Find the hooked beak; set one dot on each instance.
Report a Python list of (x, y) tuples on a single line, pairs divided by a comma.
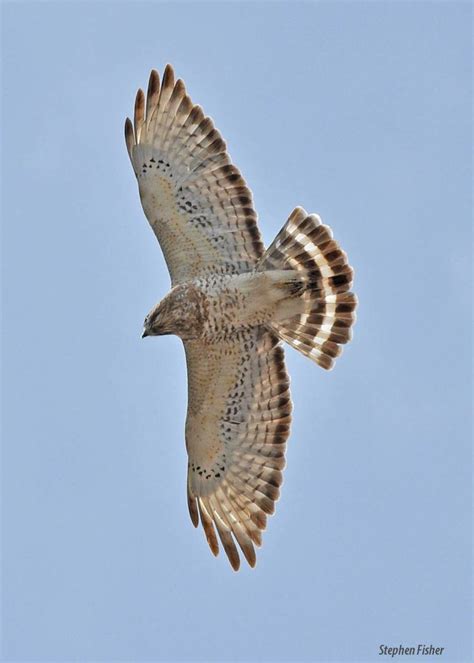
[(145, 333)]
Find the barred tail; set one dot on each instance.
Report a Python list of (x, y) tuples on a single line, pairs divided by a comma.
[(305, 246)]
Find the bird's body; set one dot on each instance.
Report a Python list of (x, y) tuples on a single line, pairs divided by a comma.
[(231, 303), (217, 307)]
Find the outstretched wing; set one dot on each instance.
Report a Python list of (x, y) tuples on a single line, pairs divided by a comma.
[(195, 199), (238, 421)]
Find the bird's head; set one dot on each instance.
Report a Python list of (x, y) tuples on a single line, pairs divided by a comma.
[(157, 323), (178, 313)]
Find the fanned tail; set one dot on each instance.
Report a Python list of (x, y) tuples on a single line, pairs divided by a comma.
[(324, 277)]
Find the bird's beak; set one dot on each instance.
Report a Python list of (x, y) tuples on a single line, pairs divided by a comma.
[(145, 333)]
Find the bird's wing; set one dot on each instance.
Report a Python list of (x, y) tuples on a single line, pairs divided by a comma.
[(195, 199), (239, 413)]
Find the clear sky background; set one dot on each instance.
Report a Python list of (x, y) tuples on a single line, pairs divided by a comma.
[(357, 111)]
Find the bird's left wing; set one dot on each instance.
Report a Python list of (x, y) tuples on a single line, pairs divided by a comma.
[(238, 420), (194, 197)]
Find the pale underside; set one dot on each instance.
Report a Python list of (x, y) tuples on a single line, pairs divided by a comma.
[(239, 406)]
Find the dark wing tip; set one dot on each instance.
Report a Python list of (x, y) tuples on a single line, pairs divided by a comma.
[(209, 530), (153, 93), (168, 77), (129, 136), (249, 554), (154, 82), (139, 100), (139, 114), (252, 561), (196, 115), (230, 549), (179, 88), (193, 510)]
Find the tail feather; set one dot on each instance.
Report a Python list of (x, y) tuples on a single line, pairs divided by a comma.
[(306, 246)]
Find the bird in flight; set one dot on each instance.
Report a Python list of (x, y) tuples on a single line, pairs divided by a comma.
[(232, 303)]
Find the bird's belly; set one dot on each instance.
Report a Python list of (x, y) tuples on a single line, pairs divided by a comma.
[(234, 303)]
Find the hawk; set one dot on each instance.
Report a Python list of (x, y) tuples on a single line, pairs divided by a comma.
[(232, 303)]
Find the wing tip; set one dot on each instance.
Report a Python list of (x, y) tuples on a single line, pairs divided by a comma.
[(153, 82), (193, 510), (139, 113), (249, 554), (179, 88), (208, 527), (168, 77), (129, 136), (153, 92), (235, 565)]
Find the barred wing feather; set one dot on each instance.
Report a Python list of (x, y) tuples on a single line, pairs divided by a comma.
[(195, 199), (238, 421)]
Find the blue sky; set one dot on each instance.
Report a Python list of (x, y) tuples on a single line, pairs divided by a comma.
[(357, 111)]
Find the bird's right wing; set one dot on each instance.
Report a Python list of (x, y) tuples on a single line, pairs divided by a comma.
[(238, 421), (194, 197)]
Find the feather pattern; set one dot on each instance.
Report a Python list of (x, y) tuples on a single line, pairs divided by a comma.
[(237, 442), (195, 199), (307, 247)]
